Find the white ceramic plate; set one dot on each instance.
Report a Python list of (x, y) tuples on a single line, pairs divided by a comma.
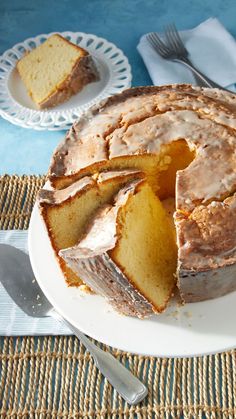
[(193, 329), (17, 107)]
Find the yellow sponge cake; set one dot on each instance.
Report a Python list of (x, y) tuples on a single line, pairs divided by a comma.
[(66, 212), (56, 70), (129, 253)]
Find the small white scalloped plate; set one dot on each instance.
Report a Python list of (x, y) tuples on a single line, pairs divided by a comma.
[(17, 107), (189, 330)]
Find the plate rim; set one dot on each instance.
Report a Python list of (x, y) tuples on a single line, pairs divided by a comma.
[(121, 346), (75, 111)]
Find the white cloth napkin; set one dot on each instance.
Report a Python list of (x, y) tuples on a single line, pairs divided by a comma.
[(13, 321), (212, 50)]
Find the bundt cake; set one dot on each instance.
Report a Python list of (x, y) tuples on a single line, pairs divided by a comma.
[(55, 70), (183, 139), (129, 252)]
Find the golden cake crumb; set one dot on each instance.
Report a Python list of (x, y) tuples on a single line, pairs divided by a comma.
[(55, 70)]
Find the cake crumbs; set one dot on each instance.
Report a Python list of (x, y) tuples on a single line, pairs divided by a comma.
[(174, 314), (107, 311), (38, 297), (187, 314), (84, 288)]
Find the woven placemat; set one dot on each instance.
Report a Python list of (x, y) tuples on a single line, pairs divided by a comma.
[(45, 377)]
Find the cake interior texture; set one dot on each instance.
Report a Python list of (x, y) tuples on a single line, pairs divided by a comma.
[(146, 250), (177, 156), (45, 68), (67, 220), (160, 169), (128, 253)]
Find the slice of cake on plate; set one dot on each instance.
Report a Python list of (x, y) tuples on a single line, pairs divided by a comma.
[(56, 70)]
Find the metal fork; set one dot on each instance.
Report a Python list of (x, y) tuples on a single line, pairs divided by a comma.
[(173, 49)]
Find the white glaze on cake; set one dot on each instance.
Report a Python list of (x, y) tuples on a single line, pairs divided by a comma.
[(87, 142), (142, 121), (58, 196), (207, 250)]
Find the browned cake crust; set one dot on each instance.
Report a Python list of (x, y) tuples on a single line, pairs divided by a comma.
[(83, 73)]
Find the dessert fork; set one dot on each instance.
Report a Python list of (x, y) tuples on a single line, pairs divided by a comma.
[(16, 276), (174, 49)]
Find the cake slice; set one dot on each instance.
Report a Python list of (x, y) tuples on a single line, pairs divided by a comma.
[(56, 70), (129, 253), (66, 211)]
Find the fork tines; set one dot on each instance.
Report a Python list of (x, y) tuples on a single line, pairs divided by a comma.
[(157, 43), (174, 40)]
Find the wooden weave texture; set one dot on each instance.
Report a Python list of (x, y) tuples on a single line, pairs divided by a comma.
[(46, 377)]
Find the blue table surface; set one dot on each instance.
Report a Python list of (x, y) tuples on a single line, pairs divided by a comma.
[(25, 151)]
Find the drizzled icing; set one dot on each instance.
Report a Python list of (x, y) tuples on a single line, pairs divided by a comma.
[(207, 238), (58, 196), (143, 121)]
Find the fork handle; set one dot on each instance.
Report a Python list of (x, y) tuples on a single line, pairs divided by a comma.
[(205, 80)]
